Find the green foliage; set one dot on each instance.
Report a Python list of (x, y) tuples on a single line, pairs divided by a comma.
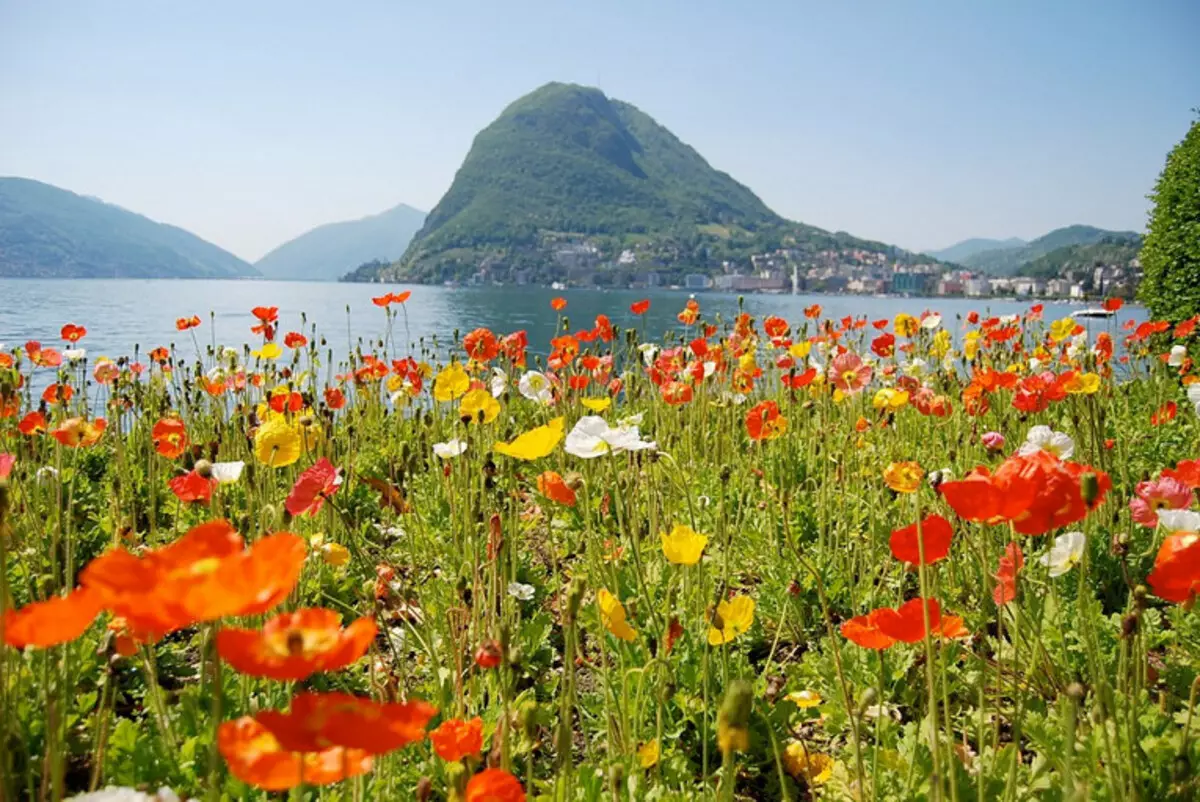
[(328, 251), (1060, 261), (52, 233), (1171, 255), (1006, 261)]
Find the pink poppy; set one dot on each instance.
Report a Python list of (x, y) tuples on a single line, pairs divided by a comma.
[(1161, 493), (315, 485), (849, 373), (6, 465)]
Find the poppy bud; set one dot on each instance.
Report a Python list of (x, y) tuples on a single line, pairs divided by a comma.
[(203, 468), (488, 654), (733, 722), (1089, 488), (1139, 597)]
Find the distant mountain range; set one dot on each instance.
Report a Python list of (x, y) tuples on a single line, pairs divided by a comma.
[(1011, 256), (327, 252), (52, 233), (566, 176)]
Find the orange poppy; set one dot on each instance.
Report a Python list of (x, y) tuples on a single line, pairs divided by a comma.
[(60, 619), (455, 739), (481, 345), (318, 720), (640, 307), (335, 398), (1164, 414), (797, 381), (294, 339), (72, 333), (907, 622), (256, 757), (294, 646), (77, 432), (160, 355), (1006, 576), (400, 297), (936, 535), (205, 575), (1186, 473), (185, 323), (1176, 573), (812, 312), (382, 300), (551, 485), (864, 631), (192, 487), (267, 314), (31, 424), (558, 304), (676, 393), (488, 655), (776, 327), (495, 785), (690, 313), (1113, 304), (764, 422), (170, 437)]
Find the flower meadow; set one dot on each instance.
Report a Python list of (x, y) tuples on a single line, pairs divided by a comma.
[(909, 558)]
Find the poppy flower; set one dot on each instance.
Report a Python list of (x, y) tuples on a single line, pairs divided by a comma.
[(907, 622), (1066, 552), (903, 477), (1165, 492), (800, 380), (455, 739), (170, 437), (864, 631), (764, 422), (884, 345), (640, 307), (79, 432), (318, 720), (267, 314), (277, 443), (335, 398), (1186, 473), (935, 535), (1113, 304), (551, 485), (72, 333), (1164, 414), (1006, 575), (7, 461), (32, 424), (683, 545), (294, 339), (481, 345), (451, 383), (676, 393), (256, 757), (612, 616), (185, 323), (205, 575), (1176, 573), (558, 304), (494, 785), (59, 619), (313, 487), (294, 646), (382, 300), (812, 312), (479, 406), (488, 655), (400, 297), (192, 487), (849, 373), (732, 617)]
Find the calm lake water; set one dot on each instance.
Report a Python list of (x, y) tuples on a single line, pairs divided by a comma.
[(120, 314)]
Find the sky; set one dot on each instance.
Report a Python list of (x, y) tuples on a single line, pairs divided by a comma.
[(919, 123)]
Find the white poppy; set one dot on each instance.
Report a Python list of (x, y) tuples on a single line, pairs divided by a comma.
[(536, 387), (1065, 553), (45, 473), (931, 322), (520, 591), (1043, 438), (1035, 365), (115, 794), (1177, 521), (592, 437), (1177, 355), (1193, 396), (499, 382), (709, 369), (74, 354), (728, 397), (449, 449), (649, 351), (227, 472), (916, 367)]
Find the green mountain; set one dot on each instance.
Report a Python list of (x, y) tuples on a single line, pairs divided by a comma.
[(1007, 261), (1081, 259), (969, 247), (53, 233), (567, 179), (329, 251)]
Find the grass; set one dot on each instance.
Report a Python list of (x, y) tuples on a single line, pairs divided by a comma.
[(654, 606)]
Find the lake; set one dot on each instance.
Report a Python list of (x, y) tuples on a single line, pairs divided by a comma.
[(120, 314)]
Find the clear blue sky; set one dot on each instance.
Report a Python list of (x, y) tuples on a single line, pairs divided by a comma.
[(919, 123)]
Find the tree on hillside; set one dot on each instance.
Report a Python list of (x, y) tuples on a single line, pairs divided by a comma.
[(1171, 254)]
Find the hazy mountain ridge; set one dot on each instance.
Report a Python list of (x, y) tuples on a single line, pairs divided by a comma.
[(50, 232), (969, 247), (327, 252), (1007, 261)]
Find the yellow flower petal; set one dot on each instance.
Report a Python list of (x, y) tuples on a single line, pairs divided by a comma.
[(597, 404), (683, 545), (735, 617), (648, 753), (451, 383), (612, 615), (535, 443)]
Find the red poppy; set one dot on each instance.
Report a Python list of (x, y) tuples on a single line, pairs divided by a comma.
[(640, 307), (58, 393), (59, 619), (294, 339), (294, 646), (936, 535), (72, 333), (1164, 414), (283, 401), (775, 327), (185, 323), (604, 328), (205, 575), (255, 756), (551, 485), (192, 487), (318, 720), (676, 393), (1113, 304), (513, 347), (764, 421), (267, 314), (495, 785), (32, 424), (884, 345), (401, 297), (382, 300), (1186, 327), (335, 398), (455, 739), (488, 654), (812, 312), (43, 357), (558, 304), (1176, 573), (313, 487), (481, 345), (1006, 575), (1187, 473), (907, 622), (972, 317), (864, 631), (160, 355), (170, 437), (798, 380)]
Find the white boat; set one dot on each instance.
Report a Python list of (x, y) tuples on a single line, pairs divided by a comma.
[(1094, 311)]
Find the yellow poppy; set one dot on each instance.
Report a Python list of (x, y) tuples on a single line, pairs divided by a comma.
[(478, 405), (1083, 384), (597, 404), (906, 325), (903, 477), (941, 344), (277, 443), (804, 698), (889, 398), (683, 545), (535, 443), (648, 753), (268, 351), (812, 767), (800, 350), (612, 615), (971, 344), (1062, 329), (451, 383), (734, 617)]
